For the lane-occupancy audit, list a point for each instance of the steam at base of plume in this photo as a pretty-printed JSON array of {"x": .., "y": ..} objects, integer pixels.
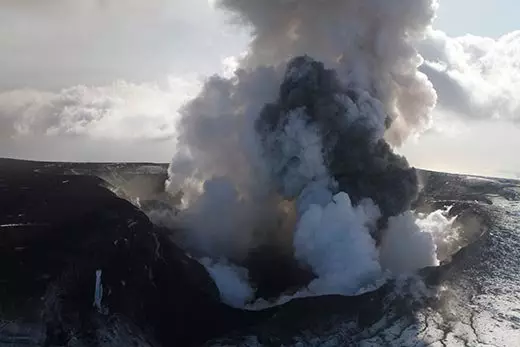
[{"x": 335, "y": 242}]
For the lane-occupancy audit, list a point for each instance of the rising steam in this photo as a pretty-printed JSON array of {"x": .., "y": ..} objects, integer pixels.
[{"x": 294, "y": 149}]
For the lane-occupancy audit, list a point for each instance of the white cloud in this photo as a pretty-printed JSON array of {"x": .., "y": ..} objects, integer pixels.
[
  {"x": 476, "y": 120},
  {"x": 82, "y": 116},
  {"x": 475, "y": 77},
  {"x": 121, "y": 110}
]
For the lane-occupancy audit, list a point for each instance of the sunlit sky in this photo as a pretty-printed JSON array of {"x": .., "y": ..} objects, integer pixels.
[
  {"x": 478, "y": 17},
  {"x": 64, "y": 43}
]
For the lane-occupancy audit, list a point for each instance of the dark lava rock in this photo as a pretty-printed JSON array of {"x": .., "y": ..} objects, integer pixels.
[
  {"x": 331, "y": 320},
  {"x": 56, "y": 231},
  {"x": 273, "y": 271}
]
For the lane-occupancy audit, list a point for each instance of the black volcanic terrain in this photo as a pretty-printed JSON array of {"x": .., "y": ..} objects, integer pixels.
[{"x": 62, "y": 222}]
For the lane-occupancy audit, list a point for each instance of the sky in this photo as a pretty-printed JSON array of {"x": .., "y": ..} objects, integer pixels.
[
  {"x": 478, "y": 17},
  {"x": 486, "y": 148},
  {"x": 103, "y": 80}
]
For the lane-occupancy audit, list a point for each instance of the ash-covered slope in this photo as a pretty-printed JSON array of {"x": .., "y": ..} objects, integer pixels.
[{"x": 58, "y": 229}]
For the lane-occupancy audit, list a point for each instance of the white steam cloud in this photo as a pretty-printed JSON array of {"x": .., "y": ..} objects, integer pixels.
[
  {"x": 335, "y": 241},
  {"x": 412, "y": 242},
  {"x": 232, "y": 282}
]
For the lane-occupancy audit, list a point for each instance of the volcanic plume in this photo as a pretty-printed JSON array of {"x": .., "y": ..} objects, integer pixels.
[{"x": 295, "y": 149}]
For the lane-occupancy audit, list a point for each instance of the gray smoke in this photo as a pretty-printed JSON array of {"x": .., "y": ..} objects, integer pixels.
[
  {"x": 347, "y": 128},
  {"x": 370, "y": 43}
]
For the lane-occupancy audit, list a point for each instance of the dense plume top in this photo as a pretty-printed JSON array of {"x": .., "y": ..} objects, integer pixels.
[{"x": 370, "y": 43}]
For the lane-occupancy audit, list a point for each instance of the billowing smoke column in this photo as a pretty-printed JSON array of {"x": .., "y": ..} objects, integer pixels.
[
  {"x": 322, "y": 137},
  {"x": 371, "y": 44},
  {"x": 295, "y": 151}
]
